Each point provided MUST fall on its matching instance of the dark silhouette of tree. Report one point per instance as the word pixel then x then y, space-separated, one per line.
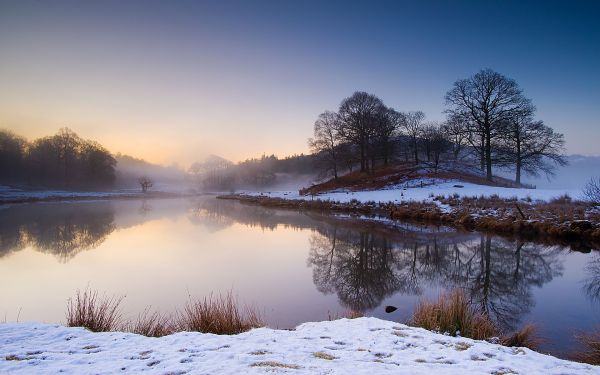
pixel 413 127
pixel 145 183
pixel 63 160
pixel 12 157
pixel 532 147
pixel 326 142
pixel 358 115
pixel 487 101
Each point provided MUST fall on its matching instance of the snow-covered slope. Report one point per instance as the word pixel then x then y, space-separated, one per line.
pixel 359 346
pixel 428 189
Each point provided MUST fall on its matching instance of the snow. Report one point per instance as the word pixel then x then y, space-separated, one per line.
pixel 358 346
pixel 430 188
pixel 10 193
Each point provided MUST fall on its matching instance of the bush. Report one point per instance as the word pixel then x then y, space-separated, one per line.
pixel 98 314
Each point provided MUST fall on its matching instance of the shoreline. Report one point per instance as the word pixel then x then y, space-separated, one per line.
pixel 563 222
pixel 65 196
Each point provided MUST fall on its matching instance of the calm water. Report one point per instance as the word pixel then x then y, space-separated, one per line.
pixel 295 267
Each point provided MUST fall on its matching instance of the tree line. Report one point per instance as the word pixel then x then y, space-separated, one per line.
pixel 63 160
pixel 489 120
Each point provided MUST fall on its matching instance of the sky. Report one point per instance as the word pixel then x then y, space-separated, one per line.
pixel 175 81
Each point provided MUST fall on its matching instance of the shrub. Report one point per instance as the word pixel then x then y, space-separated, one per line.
pixel 220 315
pixel 98 314
pixel 453 314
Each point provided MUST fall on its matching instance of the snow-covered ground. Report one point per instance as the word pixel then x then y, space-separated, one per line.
pixel 425 192
pixel 10 193
pixel 359 346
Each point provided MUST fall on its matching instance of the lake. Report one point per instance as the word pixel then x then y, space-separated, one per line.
pixel 293 266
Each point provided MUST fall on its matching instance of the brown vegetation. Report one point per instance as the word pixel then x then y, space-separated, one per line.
pixel 220 315
pixel 561 220
pixel 591 352
pixel 151 324
pixel 98 314
pixel 453 314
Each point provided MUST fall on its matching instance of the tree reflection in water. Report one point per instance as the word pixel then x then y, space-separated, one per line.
pixel 363 267
pixel 591 283
pixel 62 230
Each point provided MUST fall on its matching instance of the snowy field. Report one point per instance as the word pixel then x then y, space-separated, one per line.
pixel 359 346
pixel 430 188
pixel 10 193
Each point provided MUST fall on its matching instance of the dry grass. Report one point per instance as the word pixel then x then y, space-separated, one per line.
pixel 527 337
pixel 591 352
pixel 220 315
pixel 453 314
pixel 325 356
pixel 151 324
pixel 275 364
pixel 96 313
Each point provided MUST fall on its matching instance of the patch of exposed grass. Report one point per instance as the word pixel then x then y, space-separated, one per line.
pixel 94 312
pixel 275 364
pixel 453 314
pixel 323 355
pixel 220 315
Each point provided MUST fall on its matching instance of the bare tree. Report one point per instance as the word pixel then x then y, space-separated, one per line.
pixel 591 191
pixel 358 114
pixel 489 100
pixel 533 147
pixel 413 125
pixel 326 141
pixel 457 133
pixel 387 124
pixel 145 183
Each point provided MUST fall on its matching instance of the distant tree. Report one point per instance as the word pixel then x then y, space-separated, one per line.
pixel 387 124
pixel 97 164
pixel 413 126
pixel 533 147
pixel 145 183
pixel 325 143
pixel 12 155
pixel 438 144
pixel 488 100
pixel 358 116
pixel 591 191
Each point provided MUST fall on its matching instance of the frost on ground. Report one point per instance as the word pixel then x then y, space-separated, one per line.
pixel 358 346
pixel 424 189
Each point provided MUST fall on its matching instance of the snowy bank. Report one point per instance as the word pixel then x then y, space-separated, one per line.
pixel 358 346
pixel 424 190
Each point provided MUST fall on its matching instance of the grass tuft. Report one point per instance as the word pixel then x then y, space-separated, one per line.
pixel 453 314
pixel 219 315
pixel 96 313
pixel 591 344
pixel 527 337
pixel 151 324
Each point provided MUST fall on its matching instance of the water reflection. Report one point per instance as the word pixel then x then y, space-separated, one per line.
pixel 591 283
pixel 62 230
pixel 363 268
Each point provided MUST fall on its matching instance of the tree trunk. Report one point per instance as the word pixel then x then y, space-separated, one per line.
pixel 488 154
pixel 518 167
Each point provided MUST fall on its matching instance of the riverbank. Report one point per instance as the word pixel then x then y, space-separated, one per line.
pixel 540 215
pixel 12 196
pixel 345 346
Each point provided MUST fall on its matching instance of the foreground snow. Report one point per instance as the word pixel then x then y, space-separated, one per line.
pixel 426 191
pixel 359 346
